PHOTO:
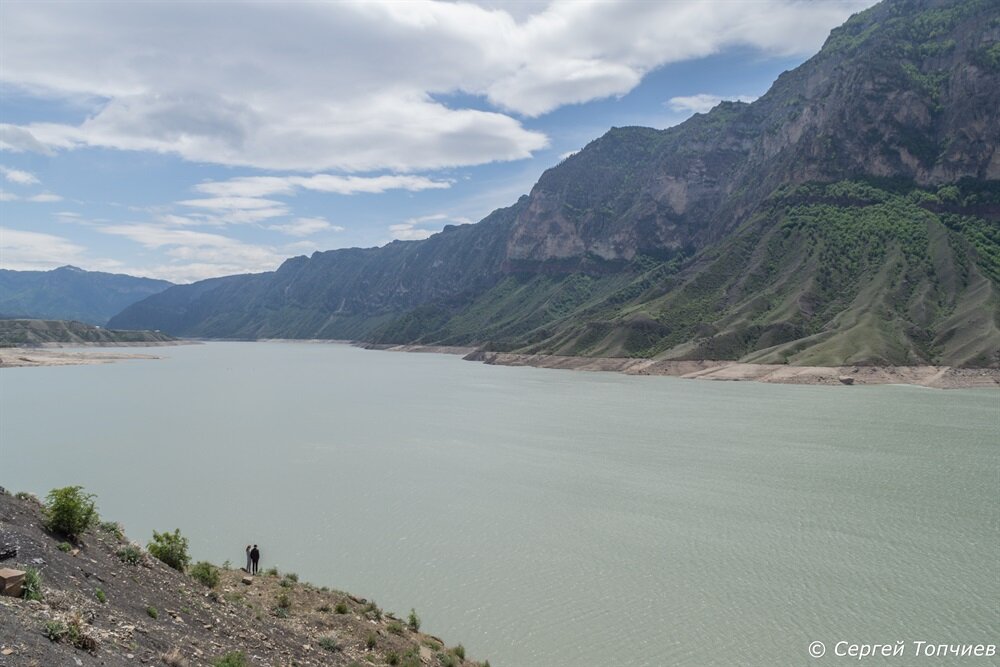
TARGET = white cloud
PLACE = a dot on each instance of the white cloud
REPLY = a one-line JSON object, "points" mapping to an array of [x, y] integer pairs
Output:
{"points": [[351, 86], [33, 251], [44, 198], [262, 186], [306, 227], [8, 196], [702, 102], [417, 229], [19, 177], [197, 255]]}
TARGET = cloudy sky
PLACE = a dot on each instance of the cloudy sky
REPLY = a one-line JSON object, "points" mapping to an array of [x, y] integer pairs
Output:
{"points": [[184, 140]]}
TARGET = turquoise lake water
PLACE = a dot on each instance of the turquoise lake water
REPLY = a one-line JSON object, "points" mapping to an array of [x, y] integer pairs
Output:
{"points": [[547, 518]]}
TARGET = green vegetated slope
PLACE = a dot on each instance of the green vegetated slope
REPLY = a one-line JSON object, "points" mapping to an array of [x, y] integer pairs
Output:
{"points": [[69, 293], [32, 333], [849, 215]]}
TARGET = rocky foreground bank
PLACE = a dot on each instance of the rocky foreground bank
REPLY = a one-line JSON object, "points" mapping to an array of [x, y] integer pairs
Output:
{"points": [[106, 603]]}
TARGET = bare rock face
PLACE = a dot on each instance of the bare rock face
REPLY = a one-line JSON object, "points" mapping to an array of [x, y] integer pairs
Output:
{"points": [[883, 98]]}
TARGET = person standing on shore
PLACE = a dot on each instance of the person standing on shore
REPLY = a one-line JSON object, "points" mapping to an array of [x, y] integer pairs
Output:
{"points": [[248, 559], [254, 558]]}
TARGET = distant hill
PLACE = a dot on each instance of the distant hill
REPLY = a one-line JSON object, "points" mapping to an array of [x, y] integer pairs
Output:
{"points": [[32, 333], [69, 293], [851, 215]]}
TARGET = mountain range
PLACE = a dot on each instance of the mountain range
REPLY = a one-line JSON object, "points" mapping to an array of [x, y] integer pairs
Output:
{"points": [[851, 215], [70, 293]]}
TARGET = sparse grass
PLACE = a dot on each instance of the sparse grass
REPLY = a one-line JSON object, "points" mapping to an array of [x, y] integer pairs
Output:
{"points": [[286, 583], [395, 627], [283, 601], [64, 547], [373, 612], [130, 554], [291, 576], [25, 495], [232, 659], [281, 612], [171, 548], [329, 643], [459, 651], [101, 596], [32, 587], [153, 613], [113, 528], [54, 630], [271, 572], [341, 607], [370, 641], [205, 573], [69, 511]]}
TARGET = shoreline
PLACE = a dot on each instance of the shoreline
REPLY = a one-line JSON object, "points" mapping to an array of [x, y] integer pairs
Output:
{"points": [[934, 377]]}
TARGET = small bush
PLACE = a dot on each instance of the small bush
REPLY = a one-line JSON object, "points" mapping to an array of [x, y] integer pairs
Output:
{"points": [[373, 611], [54, 630], [232, 659], [101, 596], [341, 607], [281, 612], [459, 651], [206, 573], [24, 495], [329, 643], [284, 602], [413, 621], [395, 627], [130, 554], [69, 511], [65, 547], [152, 613], [392, 658], [447, 660], [370, 641], [285, 583], [291, 576], [32, 587], [171, 548], [271, 572]]}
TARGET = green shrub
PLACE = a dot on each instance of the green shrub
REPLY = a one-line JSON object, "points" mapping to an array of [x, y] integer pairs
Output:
{"points": [[395, 627], [206, 573], [65, 547], [271, 572], [413, 621], [130, 554], [54, 630], [329, 643], [285, 583], [171, 548], [291, 576], [32, 587], [392, 658], [370, 641], [447, 660], [281, 612], [152, 613], [341, 607], [69, 511], [373, 611], [101, 596], [232, 659], [284, 602], [459, 651]]}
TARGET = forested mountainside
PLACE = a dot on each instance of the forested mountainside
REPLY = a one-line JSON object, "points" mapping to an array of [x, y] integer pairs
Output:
{"points": [[69, 293], [851, 215]]}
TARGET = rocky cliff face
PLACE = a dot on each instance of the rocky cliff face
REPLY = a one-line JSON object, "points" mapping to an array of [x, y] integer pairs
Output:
{"points": [[850, 215], [905, 90]]}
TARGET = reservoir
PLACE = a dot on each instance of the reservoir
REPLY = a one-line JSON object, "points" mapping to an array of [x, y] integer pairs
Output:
{"points": [[541, 517]]}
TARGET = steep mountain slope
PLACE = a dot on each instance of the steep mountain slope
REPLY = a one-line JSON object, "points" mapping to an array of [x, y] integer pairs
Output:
{"points": [[33, 333], [849, 215], [69, 293]]}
